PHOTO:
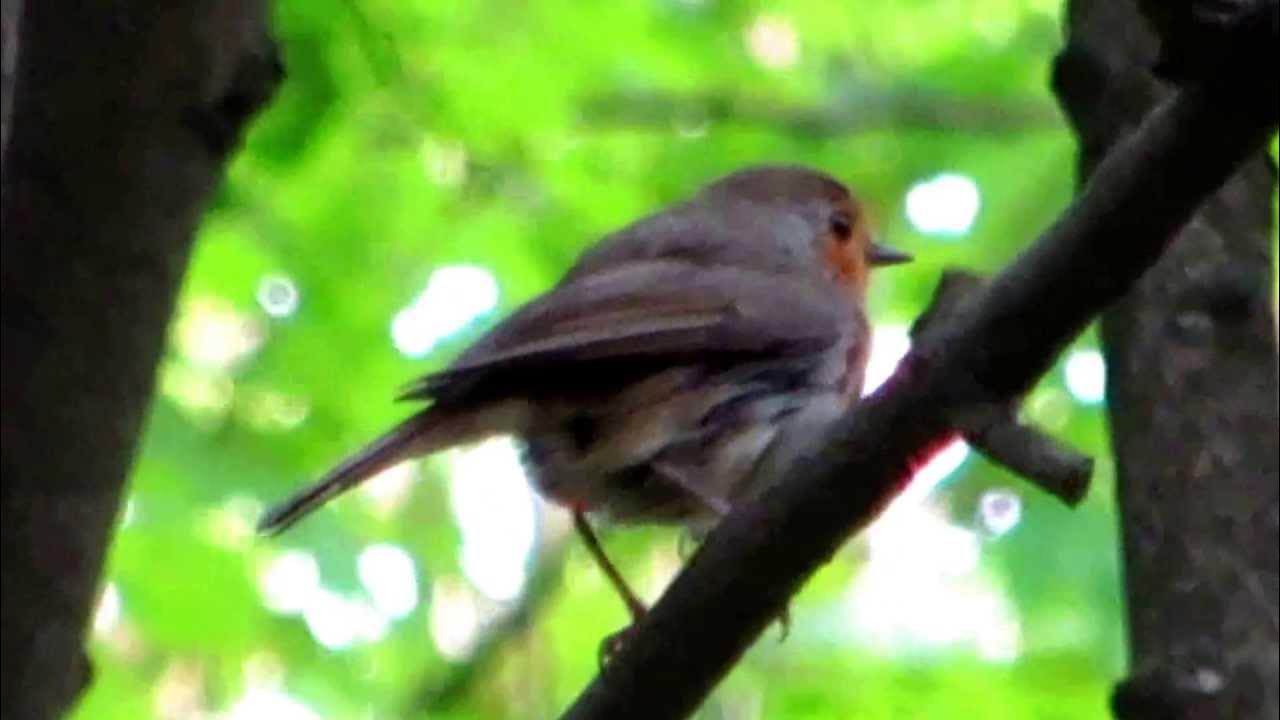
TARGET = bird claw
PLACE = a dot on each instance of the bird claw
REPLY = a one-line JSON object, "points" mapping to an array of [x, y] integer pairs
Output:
{"points": [[613, 643], [784, 624]]}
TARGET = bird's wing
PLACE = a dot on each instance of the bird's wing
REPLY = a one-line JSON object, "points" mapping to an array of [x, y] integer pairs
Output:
{"points": [[600, 330]]}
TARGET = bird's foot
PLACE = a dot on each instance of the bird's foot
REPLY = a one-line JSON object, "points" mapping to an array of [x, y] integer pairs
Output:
{"points": [[612, 644], [784, 624]]}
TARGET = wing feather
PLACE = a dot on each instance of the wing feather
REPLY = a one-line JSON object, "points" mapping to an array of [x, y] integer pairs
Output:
{"points": [[635, 318]]}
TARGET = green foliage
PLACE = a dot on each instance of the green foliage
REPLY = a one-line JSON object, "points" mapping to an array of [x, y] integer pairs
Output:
{"points": [[506, 136]]}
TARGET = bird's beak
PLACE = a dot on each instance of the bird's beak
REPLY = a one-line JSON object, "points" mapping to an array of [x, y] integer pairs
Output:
{"points": [[878, 255]]}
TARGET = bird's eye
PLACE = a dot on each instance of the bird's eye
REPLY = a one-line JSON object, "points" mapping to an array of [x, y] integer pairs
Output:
{"points": [[842, 226]]}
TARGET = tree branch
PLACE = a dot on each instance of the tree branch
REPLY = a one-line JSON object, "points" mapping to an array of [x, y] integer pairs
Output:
{"points": [[857, 109], [122, 118], [749, 566], [994, 430]]}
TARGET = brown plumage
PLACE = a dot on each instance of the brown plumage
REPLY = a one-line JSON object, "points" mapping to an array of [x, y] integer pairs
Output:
{"points": [[679, 366]]}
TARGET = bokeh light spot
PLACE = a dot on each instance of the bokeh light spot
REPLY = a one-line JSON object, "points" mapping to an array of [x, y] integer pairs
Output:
{"points": [[290, 585], [180, 691], [263, 667], [999, 511], [495, 510], [211, 334], [921, 589], [203, 395], [454, 297], [999, 639], [920, 536], [272, 411], [289, 581], [386, 492], [889, 344], [388, 574], [231, 523], [260, 703], [455, 619], [944, 205], [337, 622], [107, 615], [278, 296], [772, 42], [130, 514], [1086, 374]]}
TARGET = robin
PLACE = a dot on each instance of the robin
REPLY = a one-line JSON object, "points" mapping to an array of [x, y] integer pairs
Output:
{"points": [[679, 367]]}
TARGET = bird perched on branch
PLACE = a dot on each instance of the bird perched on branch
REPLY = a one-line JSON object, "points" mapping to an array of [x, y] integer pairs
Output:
{"points": [[680, 366]]}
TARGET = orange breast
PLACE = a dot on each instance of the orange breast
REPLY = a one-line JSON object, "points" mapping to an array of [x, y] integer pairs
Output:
{"points": [[846, 261]]}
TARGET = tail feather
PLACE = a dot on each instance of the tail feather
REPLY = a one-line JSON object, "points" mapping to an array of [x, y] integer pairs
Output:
{"points": [[408, 439], [387, 450], [426, 432]]}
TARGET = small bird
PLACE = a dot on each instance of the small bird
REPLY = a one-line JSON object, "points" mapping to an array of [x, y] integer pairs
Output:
{"points": [[679, 367]]}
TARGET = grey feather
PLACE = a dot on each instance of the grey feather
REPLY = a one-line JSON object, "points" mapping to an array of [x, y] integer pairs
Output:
{"points": [[657, 311]]}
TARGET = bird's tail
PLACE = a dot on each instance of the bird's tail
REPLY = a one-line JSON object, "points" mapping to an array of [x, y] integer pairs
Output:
{"points": [[421, 434]]}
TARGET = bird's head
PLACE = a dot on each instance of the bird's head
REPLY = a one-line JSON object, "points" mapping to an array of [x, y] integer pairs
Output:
{"points": [[810, 217]]}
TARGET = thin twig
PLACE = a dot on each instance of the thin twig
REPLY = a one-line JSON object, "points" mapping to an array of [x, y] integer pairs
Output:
{"points": [[859, 109], [995, 430]]}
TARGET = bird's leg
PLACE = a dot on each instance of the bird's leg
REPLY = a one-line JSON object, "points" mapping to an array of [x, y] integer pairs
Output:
{"points": [[634, 606], [637, 609]]}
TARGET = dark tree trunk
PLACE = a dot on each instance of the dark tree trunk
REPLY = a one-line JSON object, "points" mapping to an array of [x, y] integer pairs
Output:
{"points": [[10, 14], [122, 117], [1192, 385]]}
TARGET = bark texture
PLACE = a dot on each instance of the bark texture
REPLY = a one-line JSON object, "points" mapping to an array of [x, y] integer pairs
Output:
{"points": [[1192, 379], [123, 114], [10, 16]]}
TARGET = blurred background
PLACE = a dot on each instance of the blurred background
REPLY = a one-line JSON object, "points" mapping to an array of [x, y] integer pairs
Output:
{"points": [[427, 167]]}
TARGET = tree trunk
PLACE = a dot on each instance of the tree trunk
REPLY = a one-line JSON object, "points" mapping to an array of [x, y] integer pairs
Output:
{"points": [[122, 117], [10, 15], [1192, 396]]}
